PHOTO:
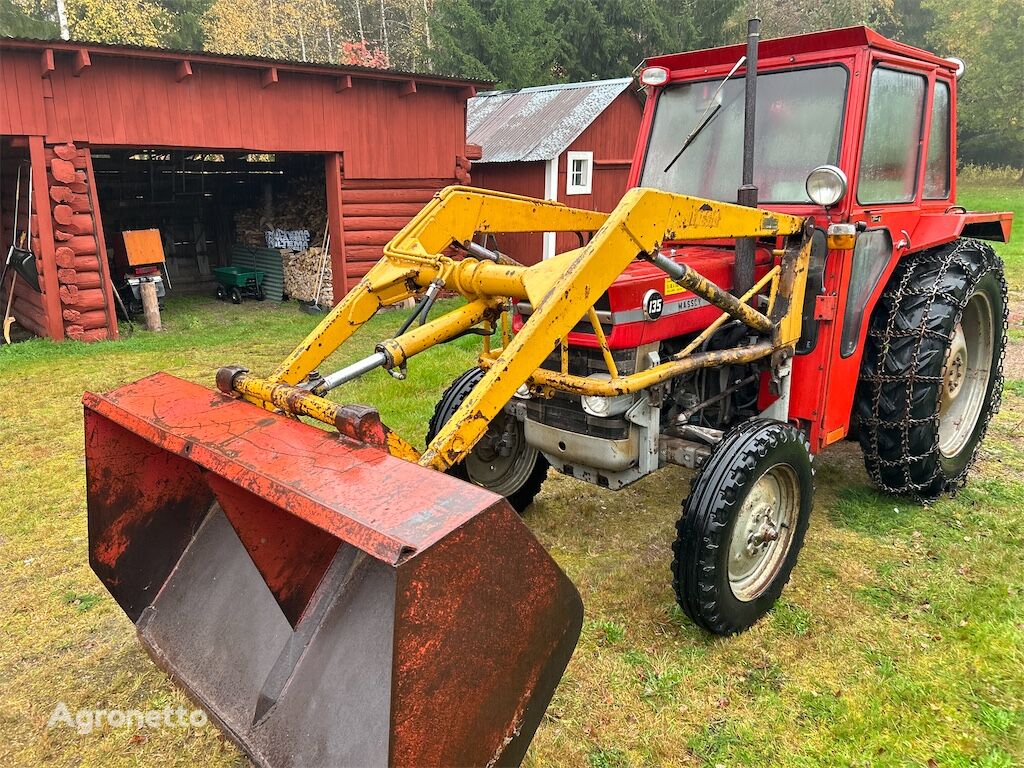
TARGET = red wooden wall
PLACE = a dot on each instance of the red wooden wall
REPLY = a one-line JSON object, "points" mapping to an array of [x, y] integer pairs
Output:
{"points": [[389, 141], [384, 129], [611, 137], [519, 179]]}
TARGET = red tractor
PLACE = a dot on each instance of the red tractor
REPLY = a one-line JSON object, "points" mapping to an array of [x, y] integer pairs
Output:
{"points": [[331, 597], [902, 337]]}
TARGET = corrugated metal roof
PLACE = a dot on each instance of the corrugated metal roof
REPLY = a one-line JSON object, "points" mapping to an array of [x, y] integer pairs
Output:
{"points": [[536, 123]]}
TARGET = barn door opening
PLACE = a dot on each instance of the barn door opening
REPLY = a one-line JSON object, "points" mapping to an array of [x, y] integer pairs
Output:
{"points": [[213, 208]]}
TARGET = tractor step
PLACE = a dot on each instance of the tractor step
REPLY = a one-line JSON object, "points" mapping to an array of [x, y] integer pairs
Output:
{"points": [[325, 602]]}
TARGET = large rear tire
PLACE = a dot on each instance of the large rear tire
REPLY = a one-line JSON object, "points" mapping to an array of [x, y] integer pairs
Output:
{"points": [[502, 461], [931, 378], [743, 525]]}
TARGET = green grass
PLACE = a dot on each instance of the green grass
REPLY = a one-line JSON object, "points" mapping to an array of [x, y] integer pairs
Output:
{"points": [[1010, 197], [899, 641]]}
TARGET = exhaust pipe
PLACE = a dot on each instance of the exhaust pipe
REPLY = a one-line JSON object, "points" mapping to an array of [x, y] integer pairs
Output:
{"points": [[743, 271]]}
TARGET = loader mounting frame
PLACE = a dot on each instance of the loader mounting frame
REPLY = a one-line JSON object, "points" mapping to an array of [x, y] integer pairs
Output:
{"points": [[562, 291]]}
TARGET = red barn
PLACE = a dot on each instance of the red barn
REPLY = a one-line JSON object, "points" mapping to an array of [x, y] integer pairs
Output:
{"points": [[572, 142], [122, 137]]}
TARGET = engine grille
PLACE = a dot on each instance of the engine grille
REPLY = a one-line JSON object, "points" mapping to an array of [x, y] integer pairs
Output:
{"points": [[564, 411]]}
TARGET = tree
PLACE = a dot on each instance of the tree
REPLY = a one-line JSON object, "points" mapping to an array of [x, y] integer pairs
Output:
{"points": [[532, 42], [510, 40], [989, 37], [135, 22], [28, 19], [186, 31], [796, 17], [297, 30]]}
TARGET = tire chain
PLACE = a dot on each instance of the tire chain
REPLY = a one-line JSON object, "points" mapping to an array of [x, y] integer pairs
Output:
{"points": [[964, 254]]}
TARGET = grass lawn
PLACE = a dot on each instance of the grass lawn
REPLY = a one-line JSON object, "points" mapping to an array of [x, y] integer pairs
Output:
{"points": [[900, 640]]}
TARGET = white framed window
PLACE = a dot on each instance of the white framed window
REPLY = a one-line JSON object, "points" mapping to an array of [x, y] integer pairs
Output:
{"points": [[580, 173]]}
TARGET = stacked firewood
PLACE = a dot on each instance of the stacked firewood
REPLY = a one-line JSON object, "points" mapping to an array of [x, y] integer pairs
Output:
{"points": [[302, 273], [303, 206]]}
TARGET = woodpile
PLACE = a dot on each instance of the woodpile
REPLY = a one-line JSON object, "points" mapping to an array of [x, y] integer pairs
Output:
{"points": [[301, 273], [303, 206]]}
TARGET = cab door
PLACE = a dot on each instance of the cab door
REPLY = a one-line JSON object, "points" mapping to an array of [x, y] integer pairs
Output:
{"points": [[885, 190]]}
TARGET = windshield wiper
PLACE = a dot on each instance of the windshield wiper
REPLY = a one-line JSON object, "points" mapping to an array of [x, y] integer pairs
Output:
{"points": [[707, 116]]}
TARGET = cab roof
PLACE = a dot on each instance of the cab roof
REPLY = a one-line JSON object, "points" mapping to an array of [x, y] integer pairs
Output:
{"points": [[829, 40]]}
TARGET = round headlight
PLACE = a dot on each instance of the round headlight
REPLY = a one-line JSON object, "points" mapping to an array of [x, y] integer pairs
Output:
{"points": [[826, 185], [603, 407], [596, 406]]}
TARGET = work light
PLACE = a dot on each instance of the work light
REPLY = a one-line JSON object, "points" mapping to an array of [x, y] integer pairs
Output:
{"points": [[654, 76], [826, 185]]}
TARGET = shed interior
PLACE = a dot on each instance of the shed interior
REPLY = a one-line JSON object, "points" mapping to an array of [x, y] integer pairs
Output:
{"points": [[206, 204]]}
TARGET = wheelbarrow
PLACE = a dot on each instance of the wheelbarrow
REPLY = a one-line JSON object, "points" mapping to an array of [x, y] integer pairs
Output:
{"points": [[236, 283]]}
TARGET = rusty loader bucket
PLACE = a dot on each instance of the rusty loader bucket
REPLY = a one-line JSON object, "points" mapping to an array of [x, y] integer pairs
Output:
{"points": [[325, 602]]}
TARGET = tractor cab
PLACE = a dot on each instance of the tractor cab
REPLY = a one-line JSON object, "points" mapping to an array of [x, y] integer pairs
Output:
{"points": [[851, 128]]}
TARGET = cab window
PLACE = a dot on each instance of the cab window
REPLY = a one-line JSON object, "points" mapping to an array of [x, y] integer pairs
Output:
{"points": [[798, 126], [892, 136], [936, 170]]}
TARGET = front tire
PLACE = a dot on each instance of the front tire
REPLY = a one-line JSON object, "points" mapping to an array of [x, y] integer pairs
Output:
{"points": [[502, 461], [931, 378], [742, 526]]}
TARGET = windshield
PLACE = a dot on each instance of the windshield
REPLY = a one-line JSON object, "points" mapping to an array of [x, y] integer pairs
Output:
{"points": [[798, 127]]}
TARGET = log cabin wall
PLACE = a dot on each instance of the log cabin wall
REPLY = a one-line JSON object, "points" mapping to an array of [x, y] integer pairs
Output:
{"points": [[78, 245], [373, 211]]}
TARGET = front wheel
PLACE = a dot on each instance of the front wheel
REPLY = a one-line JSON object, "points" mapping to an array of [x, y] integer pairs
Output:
{"points": [[742, 526], [502, 461]]}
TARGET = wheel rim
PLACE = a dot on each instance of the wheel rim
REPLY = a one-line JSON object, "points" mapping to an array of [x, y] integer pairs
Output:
{"points": [[965, 376], [502, 461], [763, 532]]}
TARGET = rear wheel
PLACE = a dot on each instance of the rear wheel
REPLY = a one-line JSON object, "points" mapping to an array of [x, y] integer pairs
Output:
{"points": [[236, 296], [502, 461], [742, 526], [221, 293], [931, 377]]}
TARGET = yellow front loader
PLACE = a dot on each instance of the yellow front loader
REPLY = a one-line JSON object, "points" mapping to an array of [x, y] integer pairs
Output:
{"points": [[335, 597]]}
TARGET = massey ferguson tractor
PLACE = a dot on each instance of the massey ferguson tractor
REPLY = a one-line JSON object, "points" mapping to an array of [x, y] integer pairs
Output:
{"points": [[789, 268]]}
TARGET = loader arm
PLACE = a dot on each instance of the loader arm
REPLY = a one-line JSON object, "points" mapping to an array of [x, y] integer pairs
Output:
{"points": [[562, 290]]}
